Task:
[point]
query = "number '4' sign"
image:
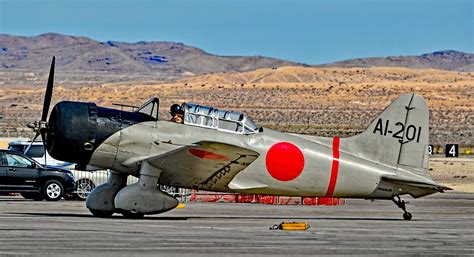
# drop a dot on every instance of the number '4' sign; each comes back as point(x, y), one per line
point(452, 150)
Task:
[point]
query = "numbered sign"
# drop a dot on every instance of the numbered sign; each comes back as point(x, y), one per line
point(430, 149)
point(452, 150)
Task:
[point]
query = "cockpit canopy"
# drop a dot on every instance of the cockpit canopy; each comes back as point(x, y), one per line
point(208, 117)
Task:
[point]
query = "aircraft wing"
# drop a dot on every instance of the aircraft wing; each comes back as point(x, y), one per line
point(205, 165)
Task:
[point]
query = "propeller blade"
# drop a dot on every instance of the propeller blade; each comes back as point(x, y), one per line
point(33, 140)
point(49, 92)
point(43, 137)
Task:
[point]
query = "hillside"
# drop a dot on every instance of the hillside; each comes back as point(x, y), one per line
point(166, 60)
point(317, 101)
point(442, 60)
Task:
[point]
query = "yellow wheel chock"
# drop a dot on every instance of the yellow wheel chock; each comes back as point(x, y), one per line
point(290, 226)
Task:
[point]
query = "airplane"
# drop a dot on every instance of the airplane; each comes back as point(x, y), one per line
point(224, 151)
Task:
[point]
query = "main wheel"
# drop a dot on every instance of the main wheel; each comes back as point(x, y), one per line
point(32, 196)
point(101, 214)
point(53, 190)
point(132, 215)
point(83, 189)
point(407, 216)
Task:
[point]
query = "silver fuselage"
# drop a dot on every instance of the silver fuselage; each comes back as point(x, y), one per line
point(356, 176)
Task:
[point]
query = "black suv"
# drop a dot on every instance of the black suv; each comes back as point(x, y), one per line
point(20, 174)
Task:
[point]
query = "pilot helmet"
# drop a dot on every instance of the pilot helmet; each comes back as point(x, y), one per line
point(176, 109)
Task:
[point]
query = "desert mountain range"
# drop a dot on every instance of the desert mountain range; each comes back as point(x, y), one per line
point(170, 60)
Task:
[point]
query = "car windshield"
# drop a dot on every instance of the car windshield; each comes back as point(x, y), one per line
point(36, 150)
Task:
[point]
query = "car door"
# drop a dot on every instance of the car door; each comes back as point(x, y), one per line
point(22, 173)
point(3, 173)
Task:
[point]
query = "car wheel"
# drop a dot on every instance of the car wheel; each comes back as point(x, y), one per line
point(83, 188)
point(32, 196)
point(53, 190)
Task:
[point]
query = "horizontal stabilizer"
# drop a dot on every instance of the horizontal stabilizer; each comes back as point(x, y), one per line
point(424, 188)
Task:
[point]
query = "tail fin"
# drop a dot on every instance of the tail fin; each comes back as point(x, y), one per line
point(398, 136)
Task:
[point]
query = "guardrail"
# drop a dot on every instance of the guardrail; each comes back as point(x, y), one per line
point(204, 196)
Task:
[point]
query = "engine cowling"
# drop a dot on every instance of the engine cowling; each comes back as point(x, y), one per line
point(76, 129)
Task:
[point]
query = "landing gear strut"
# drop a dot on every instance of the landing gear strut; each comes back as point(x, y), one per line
point(401, 204)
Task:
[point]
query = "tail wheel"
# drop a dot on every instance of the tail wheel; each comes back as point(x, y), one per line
point(53, 190)
point(407, 216)
point(83, 188)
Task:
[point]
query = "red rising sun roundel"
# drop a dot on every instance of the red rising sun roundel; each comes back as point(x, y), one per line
point(284, 161)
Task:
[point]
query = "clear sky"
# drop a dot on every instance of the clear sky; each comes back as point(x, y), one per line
point(309, 31)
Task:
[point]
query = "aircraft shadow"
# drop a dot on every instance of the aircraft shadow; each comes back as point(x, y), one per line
point(76, 215)
point(296, 218)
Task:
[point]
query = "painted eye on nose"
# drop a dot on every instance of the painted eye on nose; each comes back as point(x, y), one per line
point(284, 161)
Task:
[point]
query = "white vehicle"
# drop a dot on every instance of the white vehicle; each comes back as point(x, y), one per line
point(86, 181)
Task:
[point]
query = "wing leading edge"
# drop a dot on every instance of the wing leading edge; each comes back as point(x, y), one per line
point(205, 165)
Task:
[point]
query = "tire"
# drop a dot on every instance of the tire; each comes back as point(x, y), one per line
point(32, 196)
point(101, 214)
point(53, 190)
point(132, 215)
point(83, 188)
point(407, 216)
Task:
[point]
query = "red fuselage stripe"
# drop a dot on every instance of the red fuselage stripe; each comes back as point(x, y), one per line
point(335, 167)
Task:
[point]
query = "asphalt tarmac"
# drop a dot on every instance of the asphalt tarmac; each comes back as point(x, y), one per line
point(443, 224)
